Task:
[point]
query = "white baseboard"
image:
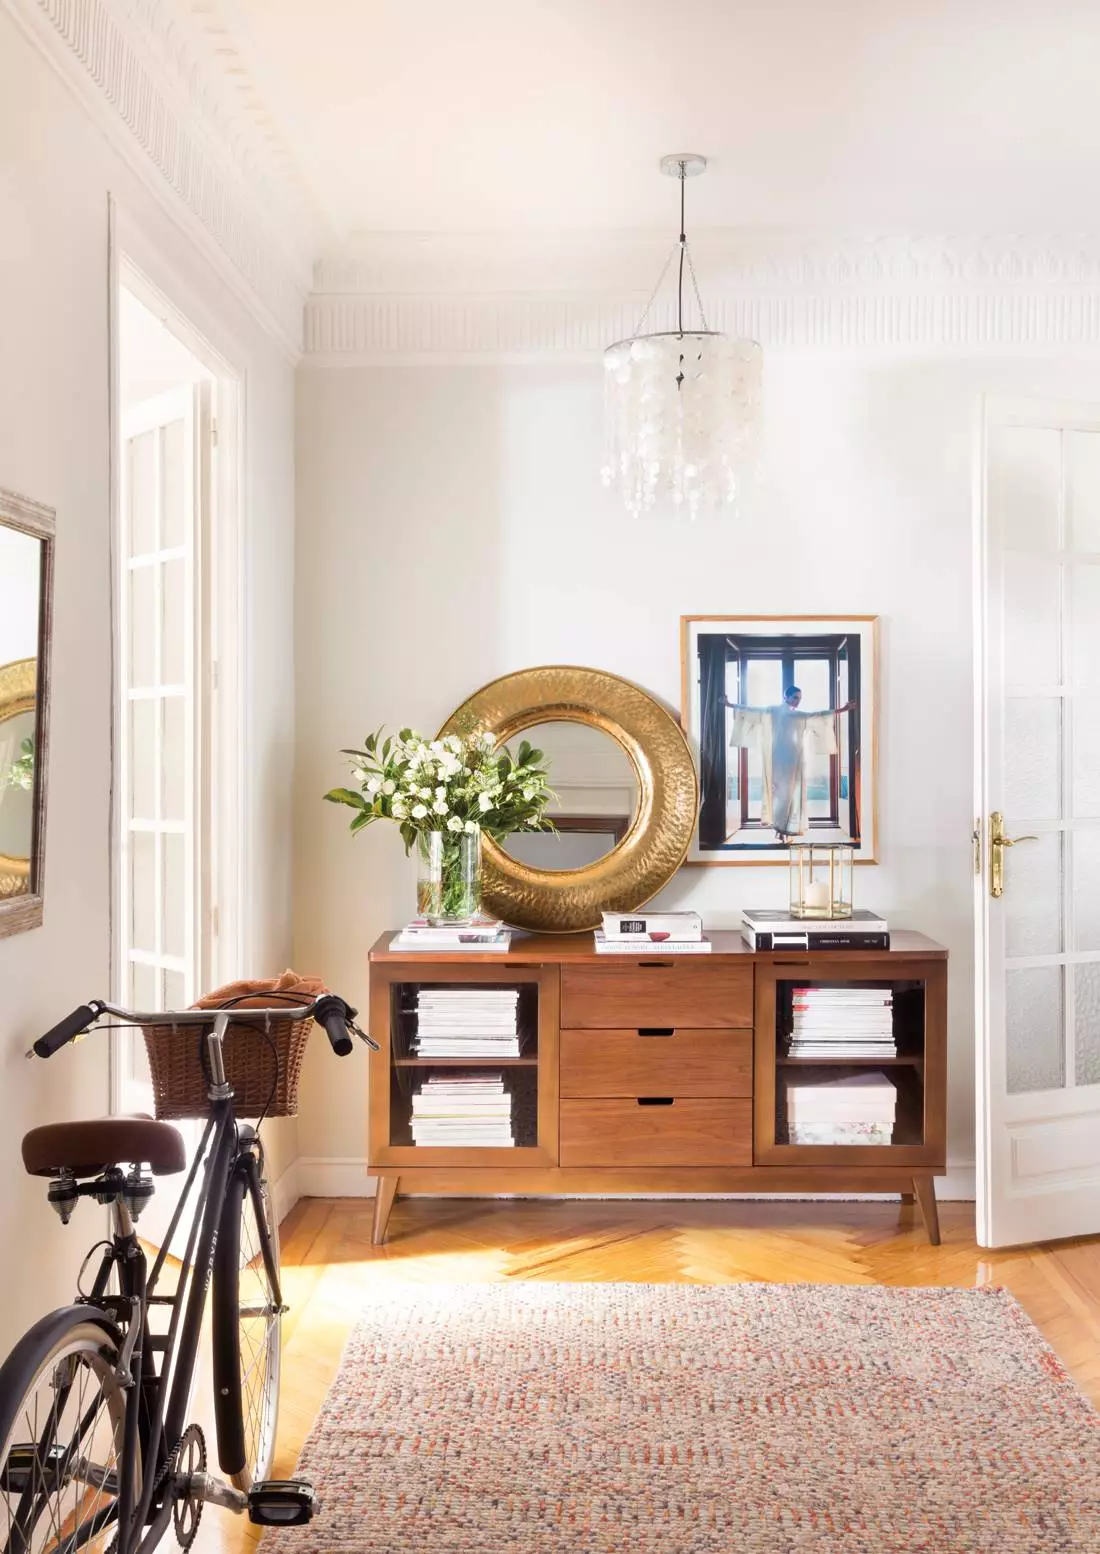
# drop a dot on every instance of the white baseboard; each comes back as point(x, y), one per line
point(321, 1176)
point(286, 1191)
point(334, 1176)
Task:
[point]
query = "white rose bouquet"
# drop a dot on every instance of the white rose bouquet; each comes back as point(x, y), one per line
point(454, 784)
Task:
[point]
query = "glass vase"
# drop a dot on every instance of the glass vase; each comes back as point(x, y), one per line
point(448, 885)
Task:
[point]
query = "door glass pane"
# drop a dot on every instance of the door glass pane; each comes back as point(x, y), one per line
point(143, 627)
point(1025, 478)
point(142, 493)
point(1033, 897)
point(1086, 1009)
point(1086, 890)
point(1033, 758)
point(1086, 757)
point(173, 606)
point(1085, 626)
point(175, 993)
point(143, 995)
point(175, 896)
point(175, 491)
point(143, 724)
point(174, 758)
point(143, 891)
point(1035, 1046)
point(1083, 491)
point(1031, 622)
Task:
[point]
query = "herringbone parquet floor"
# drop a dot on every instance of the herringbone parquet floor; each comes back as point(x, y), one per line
point(330, 1269)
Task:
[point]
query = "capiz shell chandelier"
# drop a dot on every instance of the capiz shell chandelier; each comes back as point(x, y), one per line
point(681, 406)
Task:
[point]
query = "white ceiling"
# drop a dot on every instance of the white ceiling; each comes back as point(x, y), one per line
point(537, 115)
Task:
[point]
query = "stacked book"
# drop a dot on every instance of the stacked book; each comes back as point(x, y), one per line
point(832, 1023)
point(467, 1022)
point(859, 1109)
point(770, 930)
point(463, 1111)
point(482, 935)
point(633, 933)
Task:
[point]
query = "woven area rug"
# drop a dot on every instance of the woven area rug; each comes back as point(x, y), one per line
point(747, 1419)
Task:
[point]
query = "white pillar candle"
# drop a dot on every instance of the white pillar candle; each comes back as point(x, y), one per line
point(816, 894)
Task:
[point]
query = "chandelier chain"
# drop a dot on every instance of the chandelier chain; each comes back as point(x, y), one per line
point(695, 288)
point(653, 294)
point(683, 252)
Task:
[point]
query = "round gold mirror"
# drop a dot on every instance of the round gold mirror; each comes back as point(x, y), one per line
point(627, 796)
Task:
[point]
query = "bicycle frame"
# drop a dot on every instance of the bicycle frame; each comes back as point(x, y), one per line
point(155, 1418)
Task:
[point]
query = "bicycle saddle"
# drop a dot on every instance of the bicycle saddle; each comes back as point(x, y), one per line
point(87, 1148)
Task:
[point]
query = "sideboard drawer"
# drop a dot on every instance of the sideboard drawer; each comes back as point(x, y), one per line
point(661, 1061)
point(632, 1133)
point(691, 991)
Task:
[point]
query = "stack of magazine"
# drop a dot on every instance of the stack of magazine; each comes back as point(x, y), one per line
point(480, 936)
point(463, 1111)
point(467, 1022)
point(634, 933)
point(842, 1022)
point(859, 1109)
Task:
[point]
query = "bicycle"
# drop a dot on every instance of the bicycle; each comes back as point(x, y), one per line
point(96, 1449)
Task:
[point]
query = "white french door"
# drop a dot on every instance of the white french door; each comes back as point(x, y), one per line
point(1038, 784)
point(164, 937)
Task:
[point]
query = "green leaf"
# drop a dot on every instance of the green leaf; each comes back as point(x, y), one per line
point(408, 834)
point(360, 821)
point(534, 757)
point(346, 796)
point(386, 748)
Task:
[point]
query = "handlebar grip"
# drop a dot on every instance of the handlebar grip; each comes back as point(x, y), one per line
point(333, 1014)
point(67, 1030)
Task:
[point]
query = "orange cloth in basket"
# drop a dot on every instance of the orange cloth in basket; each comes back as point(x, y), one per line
point(251, 992)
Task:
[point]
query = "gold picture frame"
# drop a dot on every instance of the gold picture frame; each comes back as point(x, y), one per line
point(660, 832)
point(863, 794)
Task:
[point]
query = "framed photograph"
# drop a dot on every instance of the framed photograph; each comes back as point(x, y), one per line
point(780, 711)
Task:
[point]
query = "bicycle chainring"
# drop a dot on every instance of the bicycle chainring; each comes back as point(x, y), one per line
point(188, 1459)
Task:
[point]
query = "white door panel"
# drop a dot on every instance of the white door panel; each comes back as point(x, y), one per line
point(163, 947)
point(1038, 666)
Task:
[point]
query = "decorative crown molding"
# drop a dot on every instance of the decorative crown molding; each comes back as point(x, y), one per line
point(164, 82)
point(416, 296)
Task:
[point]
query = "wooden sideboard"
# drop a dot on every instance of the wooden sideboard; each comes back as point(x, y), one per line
point(659, 1074)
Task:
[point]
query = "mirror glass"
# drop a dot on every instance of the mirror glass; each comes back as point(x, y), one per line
point(597, 794)
point(20, 608)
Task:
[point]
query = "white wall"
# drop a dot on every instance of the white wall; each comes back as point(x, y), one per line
point(451, 527)
point(54, 446)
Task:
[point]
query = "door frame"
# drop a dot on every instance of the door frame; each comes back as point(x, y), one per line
point(137, 265)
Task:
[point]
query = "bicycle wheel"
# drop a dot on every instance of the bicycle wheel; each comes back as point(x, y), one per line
point(61, 1438)
point(247, 1335)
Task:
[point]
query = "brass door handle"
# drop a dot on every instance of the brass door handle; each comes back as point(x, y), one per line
point(998, 841)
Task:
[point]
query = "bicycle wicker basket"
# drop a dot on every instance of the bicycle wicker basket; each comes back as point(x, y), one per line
point(263, 1061)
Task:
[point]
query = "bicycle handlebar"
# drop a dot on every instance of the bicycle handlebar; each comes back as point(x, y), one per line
point(68, 1029)
point(336, 1018)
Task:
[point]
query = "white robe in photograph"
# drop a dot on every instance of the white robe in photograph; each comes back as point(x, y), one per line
point(787, 740)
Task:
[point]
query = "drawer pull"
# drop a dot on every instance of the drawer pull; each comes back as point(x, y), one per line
point(656, 1030)
point(655, 1100)
point(656, 965)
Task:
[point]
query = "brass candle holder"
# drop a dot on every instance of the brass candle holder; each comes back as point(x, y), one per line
point(821, 879)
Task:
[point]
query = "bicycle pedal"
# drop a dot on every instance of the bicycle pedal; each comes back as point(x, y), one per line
point(282, 1502)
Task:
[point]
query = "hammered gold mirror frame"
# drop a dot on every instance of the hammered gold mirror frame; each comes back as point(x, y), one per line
point(659, 835)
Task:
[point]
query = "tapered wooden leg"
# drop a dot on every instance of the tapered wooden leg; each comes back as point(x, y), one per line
point(925, 1189)
point(384, 1194)
point(908, 1197)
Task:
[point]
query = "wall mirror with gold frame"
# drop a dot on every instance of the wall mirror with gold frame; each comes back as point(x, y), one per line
point(626, 803)
point(26, 575)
